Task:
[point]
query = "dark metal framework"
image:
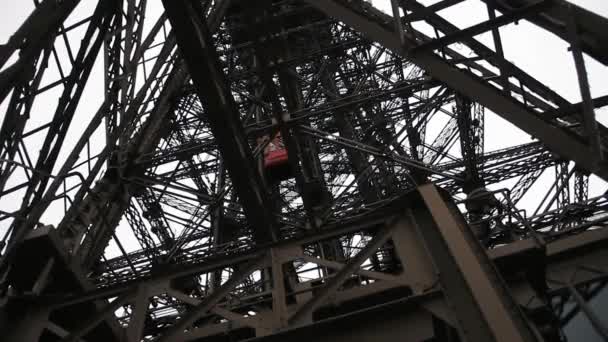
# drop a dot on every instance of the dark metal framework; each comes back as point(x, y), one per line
point(153, 217)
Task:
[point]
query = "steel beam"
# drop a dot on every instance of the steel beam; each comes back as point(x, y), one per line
point(486, 309)
point(593, 27)
point(200, 56)
point(34, 35)
point(565, 143)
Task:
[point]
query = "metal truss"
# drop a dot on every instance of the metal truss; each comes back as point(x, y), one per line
point(154, 216)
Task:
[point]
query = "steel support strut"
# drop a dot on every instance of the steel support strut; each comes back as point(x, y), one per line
point(485, 309)
point(200, 56)
point(563, 142)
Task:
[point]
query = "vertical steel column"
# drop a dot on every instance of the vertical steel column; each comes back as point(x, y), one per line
point(581, 186)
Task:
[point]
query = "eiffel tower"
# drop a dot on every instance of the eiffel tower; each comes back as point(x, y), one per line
point(299, 170)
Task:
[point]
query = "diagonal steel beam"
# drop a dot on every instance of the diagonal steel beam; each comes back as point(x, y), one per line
point(563, 142)
point(200, 56)
point(211, 300)
point(487, 310)
point(593, 27)
point(31, 39)
point(299, 317)
point(485, 26)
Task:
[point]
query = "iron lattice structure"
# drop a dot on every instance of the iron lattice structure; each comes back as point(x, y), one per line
point(156, 217)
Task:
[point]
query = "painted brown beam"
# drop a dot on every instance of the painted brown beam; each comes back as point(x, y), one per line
point(471, 283)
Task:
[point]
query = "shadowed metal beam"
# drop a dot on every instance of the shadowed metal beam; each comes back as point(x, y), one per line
point(565, 143)
point(31, 38)
point(207, 303)
point(593, 28)
point(194, 41)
